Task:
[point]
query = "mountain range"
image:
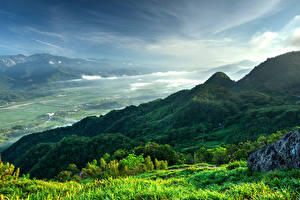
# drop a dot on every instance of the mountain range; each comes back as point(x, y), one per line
point(23, 71)
point(27, 77)
point(218, 112)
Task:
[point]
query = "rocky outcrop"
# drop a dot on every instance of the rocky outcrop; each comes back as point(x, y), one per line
point(283, 154)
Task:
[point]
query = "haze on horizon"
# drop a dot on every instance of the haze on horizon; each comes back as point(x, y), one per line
point(177, 33)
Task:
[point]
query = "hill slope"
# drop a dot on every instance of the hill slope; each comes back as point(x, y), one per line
point(279, 74)
point(220, 111)
point(190, 182)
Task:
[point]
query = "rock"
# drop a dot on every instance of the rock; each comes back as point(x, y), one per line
point(283, 154)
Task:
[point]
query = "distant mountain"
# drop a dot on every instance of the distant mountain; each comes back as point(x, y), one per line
point(26, 77)
point(235, 70)
point(23, 71)
point(220, 111)
point(278, 74)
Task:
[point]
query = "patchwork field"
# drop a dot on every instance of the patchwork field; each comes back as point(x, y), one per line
point(73, 100)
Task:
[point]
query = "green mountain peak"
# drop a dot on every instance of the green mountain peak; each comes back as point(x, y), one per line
point(221, 79)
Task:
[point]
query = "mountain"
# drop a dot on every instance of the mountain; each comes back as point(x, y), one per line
point(218, 112)
point(221, 79)
point(26, 77)
point(37, 69)
point(235, 70)
point(9, 61)
point(279, 74)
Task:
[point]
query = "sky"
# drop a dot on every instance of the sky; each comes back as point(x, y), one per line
point(179, 33)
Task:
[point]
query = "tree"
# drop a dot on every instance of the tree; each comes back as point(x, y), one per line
point(120, 154)
point(262, 141)
point(163, 164)
point(106, 157)
point(149, 164)
point(103, 163)
point(92, 170)
point(113, 168)
point(7, 171)
point(132, 161)
point(218, 155)
point(157, 164)
point(73, 168)
point(64, 176)
point(201, 155)
point(161, 152)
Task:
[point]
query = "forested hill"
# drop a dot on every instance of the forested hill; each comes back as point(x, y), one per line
point(220, 111)
point(279, 74)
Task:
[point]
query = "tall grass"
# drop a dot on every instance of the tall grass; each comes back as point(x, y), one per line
point(185, 183)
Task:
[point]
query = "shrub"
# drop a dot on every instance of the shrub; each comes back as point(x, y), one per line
point(236, 164)
point(8, 172)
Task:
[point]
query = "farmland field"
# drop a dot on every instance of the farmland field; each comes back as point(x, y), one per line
point(73, 100)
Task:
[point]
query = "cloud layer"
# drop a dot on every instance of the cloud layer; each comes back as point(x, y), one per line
point(153, 32)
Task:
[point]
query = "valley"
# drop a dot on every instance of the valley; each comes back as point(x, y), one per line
point(70, 101)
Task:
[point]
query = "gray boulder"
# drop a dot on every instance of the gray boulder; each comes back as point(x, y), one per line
point(283, 154)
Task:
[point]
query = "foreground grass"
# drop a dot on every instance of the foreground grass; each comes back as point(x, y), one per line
point(190, 182)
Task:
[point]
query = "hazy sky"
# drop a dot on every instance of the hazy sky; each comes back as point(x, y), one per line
point(185, 33)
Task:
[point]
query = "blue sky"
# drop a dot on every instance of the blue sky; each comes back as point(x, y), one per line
point(179, 33)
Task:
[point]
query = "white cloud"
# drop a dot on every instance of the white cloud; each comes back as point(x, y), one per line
point(197, 52)
point(49, 47)
point(86, 77)
point(113, 39)
point(51, 34)
point(229, 50)
point(136, 86)
point(294, 39)
point(170, 73)
point(292, 32)
point(178, 82)
point(196, 17)
point(48, 44)
point(262, 40)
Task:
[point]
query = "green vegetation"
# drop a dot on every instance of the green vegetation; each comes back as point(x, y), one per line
point(125, 154)
point(279, 74)
point(46, 160)
point(232, 181)
point(207, 116)
point(111, 168)
point(67, 105)
point(7, 171)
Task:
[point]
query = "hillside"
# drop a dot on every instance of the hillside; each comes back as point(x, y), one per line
point(184, 182)
point(220, 111)
point(278, 74)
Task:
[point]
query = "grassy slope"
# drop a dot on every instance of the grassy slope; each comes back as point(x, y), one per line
point(185, 182)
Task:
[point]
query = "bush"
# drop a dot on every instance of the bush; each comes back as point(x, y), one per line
point(236, 164)
point(8, 172)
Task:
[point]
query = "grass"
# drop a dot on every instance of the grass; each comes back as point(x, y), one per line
point(182, 182)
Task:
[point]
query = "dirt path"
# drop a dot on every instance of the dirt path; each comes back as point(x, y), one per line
point(16, 106)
